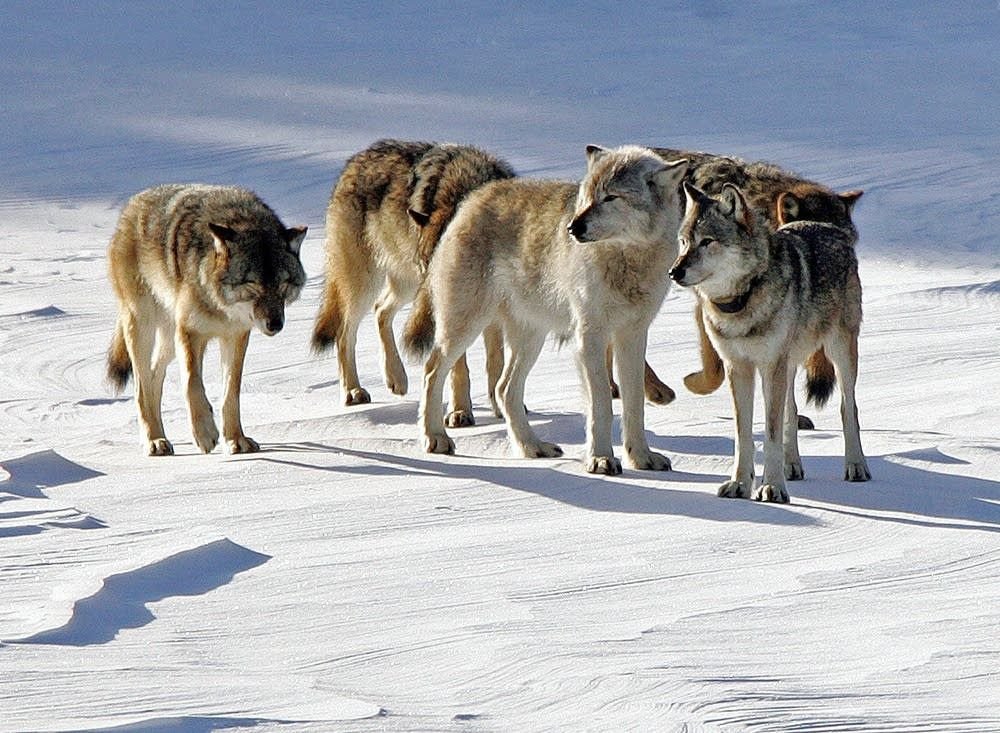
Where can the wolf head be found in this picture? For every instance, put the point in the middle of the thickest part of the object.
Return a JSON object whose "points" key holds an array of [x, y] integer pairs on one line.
{"points": [[628, 194], [259, 271], [810, 202], [723, 242], [441, 179]]}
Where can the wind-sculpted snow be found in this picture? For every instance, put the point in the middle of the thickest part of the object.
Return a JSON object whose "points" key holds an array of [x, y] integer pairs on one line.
{"points": [[342, 579]]}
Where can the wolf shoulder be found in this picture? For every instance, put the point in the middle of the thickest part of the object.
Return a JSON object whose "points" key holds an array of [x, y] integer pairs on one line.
{"points": [[828, 250]]}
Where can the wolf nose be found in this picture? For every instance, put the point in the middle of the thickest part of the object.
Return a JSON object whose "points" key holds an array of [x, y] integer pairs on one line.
{"points": [[274, 325], [578, 228], [677, 273]]}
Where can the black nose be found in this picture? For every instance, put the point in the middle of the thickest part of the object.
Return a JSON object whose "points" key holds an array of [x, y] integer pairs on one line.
{"points": [[677, 273], [578, 227], [275, 324]]}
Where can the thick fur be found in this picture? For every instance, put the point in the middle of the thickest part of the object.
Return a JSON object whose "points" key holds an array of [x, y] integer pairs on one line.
{"points": [[781, 197], [190, 263], [769, 300], [585, 261], [383, 222]]}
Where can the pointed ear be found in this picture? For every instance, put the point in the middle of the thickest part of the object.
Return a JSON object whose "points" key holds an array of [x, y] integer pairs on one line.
{"points": [[594, 153], [787, 207], [668, 177], [221, 236], [850, 198], [419, 217], [693, 196], [294, 237], [735, 205]]}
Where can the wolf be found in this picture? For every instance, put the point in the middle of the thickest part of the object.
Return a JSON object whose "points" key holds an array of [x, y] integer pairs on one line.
{"points": [[383, 222], [189, 263], [782, 197], [768, 301], [587, 261]]}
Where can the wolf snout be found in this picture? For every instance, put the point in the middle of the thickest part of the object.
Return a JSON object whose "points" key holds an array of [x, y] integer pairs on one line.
{"points": [[578, 228]]}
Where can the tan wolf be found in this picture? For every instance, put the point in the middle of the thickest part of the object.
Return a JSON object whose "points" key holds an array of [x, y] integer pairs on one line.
{"points": [[385, 216], [190, 263], [782, 197], [769, 300], [587, 261]]}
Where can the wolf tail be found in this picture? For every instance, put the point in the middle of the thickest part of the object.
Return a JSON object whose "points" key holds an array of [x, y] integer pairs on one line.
{"points": [[329, 320], [119, 367], [820, 378], [418, 335]]}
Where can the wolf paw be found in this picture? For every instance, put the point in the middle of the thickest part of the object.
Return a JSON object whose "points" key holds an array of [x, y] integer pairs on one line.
{"points": [[733, 490], [650, 461], [206, 435], [242, 444], [770, 492], [397, 383], [607, 465], [658, 393], [459, 419], [541, 449], [439, 443], [793, 471], [159, 447], [357, 396], [857, 471]]}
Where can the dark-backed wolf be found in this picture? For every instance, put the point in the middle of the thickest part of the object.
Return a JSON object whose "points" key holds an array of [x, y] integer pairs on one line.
{"points": [[385, 216], [190, 263], [782, 198], [587, 261], [768, 301]]}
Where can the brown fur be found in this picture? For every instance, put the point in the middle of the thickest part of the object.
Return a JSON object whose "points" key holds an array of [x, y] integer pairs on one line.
{"points": [[385, 217]]}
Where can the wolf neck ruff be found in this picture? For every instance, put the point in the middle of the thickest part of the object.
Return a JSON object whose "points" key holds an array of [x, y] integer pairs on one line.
{"points": [[735, 305]]}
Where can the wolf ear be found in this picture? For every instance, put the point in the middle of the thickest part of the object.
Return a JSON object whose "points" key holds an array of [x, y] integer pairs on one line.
{"points": [[735, 205], [294, 237], [668, 176], [419, 217], [221, 236], [787, 207], [850, 198], [694, 196], [595, 152]]}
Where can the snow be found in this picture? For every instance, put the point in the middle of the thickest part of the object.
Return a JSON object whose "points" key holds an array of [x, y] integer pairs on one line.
{"points": [[344, 580]]}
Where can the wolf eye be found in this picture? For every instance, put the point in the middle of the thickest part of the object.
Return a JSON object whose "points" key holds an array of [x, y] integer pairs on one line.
{"points": [[609, 197], [705, 241]]}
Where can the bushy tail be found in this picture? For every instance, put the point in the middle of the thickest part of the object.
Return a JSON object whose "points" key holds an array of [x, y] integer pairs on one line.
{"points": [[820, 378], [418, 335], [328, 320], [119, 368]]}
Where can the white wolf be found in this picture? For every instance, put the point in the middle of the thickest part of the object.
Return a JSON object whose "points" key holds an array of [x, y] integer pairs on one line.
{"points": [[587, 261]]}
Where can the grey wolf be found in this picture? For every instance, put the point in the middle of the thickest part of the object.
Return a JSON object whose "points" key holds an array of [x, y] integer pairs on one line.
{"points": [[586, 261], [768, 301], [782, 197], [385, 217], [189, 263]]}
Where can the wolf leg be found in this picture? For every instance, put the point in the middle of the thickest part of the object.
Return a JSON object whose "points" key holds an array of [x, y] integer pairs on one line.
{"points": [[144, 352], [793, 462], [843, 351], [525, 346], [712, 371], [741, 383], [386, 308], [629, 350], [774, 382], [191, 348], [592, 363], [493, 341], [233, 350], [460, 410]]}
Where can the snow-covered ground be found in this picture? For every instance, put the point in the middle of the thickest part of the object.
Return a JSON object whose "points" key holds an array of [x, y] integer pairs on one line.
{"points": [[344, 580]]}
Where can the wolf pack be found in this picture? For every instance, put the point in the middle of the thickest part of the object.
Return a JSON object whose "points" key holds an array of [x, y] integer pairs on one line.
{"points": [[480, 251]]}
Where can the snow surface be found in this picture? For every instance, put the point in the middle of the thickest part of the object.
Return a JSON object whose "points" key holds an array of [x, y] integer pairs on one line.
{"points": [[344, 580]]}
